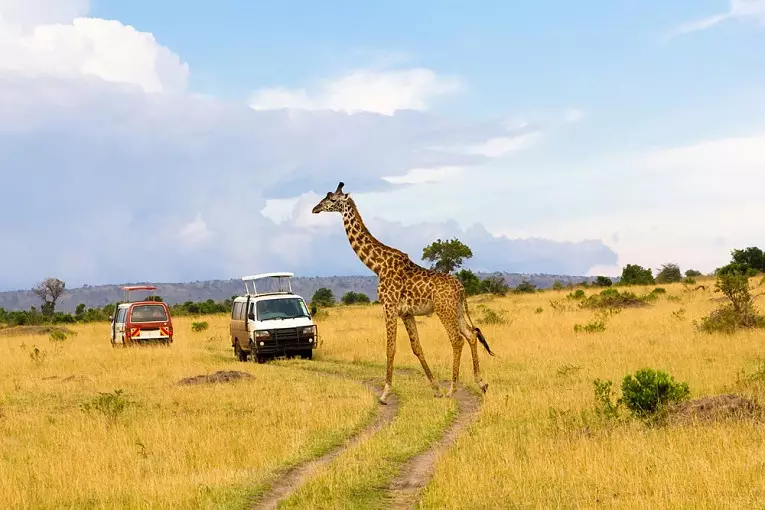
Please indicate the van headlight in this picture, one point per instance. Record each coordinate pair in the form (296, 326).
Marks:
(262, 334)
(308, 331)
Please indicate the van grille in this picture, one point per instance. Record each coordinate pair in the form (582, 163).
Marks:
(285, 336)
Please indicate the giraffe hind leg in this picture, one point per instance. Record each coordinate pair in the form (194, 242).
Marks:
(471, 337)
(450, 322)
(411, 329)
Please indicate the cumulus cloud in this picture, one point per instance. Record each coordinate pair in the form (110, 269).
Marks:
(112, 171)
(27, 13)
(170, 188)
(741, 10)
(45, 38)
(362, 90)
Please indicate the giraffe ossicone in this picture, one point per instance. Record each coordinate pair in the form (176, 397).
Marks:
(406, 290)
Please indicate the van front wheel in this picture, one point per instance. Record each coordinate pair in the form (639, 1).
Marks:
(239, 353)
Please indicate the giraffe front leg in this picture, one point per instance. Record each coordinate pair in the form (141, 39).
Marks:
(414, 340)
(390, 329)
(457, 343)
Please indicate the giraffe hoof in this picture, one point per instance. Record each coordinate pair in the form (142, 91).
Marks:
(484, 387)
(382, 402)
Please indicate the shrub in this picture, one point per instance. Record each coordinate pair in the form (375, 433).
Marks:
(538, 310)
(605, 406)
(525, 287)
(603, 281)
(557, 285)
(691, 273)
(669, 273)
(739, 313)
(612, 298)
(577, 295)
(110, 405)
(199, 326)
(649, 391)
(594, 326)
(633, 274)
(689, 280)
(323, 297)
(57, 335)
(491, 316)
(352, 298)
(470, 281)
(495, 285)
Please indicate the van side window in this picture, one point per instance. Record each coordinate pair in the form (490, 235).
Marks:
(235, 311)
(241, 311)
(121, 315)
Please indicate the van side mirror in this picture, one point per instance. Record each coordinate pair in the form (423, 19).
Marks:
(313, 309)
(251, 316)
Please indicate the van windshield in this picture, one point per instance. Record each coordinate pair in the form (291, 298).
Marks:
(148, 313)
(284, 308)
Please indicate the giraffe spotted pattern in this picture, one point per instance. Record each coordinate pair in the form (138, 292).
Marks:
(407, 290)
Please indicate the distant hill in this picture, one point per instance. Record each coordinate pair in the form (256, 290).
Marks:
(218, 290)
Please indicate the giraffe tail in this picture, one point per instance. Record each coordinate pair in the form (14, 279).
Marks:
(477, 331)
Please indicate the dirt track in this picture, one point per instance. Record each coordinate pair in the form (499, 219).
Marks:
(415, 475)
(293, 478)
(405, 489)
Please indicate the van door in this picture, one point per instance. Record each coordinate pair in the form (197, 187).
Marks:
(119, 325)
(232, 324)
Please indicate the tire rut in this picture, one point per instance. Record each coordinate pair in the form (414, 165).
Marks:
(405, 489)
(293, 478)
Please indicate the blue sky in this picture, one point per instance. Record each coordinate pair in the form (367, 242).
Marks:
(618, 124)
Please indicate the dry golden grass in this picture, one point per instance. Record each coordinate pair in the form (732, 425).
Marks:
(202, 446)
(536, 442)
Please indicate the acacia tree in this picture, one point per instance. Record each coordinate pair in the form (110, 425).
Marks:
(49, 290)
(446, 256)
(669, 273)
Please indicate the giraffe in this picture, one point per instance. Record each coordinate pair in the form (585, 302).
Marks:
(406, 290)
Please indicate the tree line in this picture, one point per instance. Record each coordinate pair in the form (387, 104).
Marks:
(444, 256)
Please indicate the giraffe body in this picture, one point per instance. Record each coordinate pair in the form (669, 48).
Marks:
(407, 290)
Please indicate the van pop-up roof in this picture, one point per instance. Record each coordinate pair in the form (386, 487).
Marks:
(130, 288)
(279, 278)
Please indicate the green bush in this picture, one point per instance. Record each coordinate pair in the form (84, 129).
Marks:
(199, 326)
(353, 298)
(649, 391)
(323, 297)
(669, 273)
(739, 313)
(603, 281)
(576, 295)
(491, 316)
(633, 274)
(525, 287)
(612, 298)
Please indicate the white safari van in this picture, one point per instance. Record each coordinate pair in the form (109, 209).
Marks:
(269, 320)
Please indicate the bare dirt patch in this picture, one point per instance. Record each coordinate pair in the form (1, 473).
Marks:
(294, 477)
(405, 489)
(34, 330)
(221, 376)
(714, 408)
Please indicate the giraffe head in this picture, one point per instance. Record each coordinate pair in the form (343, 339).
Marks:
(333, 202)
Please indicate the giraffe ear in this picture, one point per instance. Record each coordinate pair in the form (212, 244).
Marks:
(339, 189)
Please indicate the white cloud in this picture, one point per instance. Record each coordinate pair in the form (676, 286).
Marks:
(500, 146)
(52, 45)
(742, 10)
(362, 90)
(424, 175)
(195, 232)
(27, 13)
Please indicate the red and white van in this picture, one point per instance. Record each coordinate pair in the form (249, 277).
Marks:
(141, 322)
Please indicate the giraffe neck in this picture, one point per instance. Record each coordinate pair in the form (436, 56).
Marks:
(369, 250)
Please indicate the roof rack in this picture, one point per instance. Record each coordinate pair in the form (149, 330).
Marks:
(129, 288)
(251, 280)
